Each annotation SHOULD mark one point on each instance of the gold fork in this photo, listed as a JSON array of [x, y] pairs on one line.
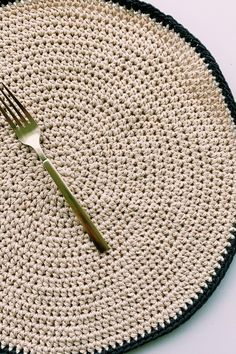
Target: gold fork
[[27, 131]]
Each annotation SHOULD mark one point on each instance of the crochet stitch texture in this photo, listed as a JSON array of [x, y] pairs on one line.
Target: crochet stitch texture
[[137, 124]]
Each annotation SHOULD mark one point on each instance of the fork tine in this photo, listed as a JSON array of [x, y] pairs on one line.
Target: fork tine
[[18, 122], [15, 108], [27, 114], [2, 110]]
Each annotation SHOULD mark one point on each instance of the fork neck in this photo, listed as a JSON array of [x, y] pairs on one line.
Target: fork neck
[[40, 153]]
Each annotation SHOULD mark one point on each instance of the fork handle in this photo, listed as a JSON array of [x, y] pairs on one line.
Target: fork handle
[[79, 211]]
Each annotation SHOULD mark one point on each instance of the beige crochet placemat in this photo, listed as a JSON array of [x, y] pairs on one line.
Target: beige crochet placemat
[[139, 120]]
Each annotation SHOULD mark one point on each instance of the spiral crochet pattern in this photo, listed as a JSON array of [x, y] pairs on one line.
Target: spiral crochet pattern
[[142, 128]]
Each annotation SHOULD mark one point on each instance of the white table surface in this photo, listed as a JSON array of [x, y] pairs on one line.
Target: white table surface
[[211, 330]]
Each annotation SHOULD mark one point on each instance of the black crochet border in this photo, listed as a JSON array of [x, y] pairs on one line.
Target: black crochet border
[[168, 21]]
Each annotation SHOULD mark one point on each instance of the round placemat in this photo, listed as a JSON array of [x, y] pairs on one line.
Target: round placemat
[[139, 120]]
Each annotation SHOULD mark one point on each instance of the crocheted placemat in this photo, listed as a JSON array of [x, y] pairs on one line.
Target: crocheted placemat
[[139, 120]]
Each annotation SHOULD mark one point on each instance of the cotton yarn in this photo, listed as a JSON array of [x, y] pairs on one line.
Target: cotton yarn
[[136, 123]]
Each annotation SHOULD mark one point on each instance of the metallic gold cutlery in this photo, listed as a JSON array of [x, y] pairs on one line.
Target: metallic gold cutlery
[[27, 131]]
